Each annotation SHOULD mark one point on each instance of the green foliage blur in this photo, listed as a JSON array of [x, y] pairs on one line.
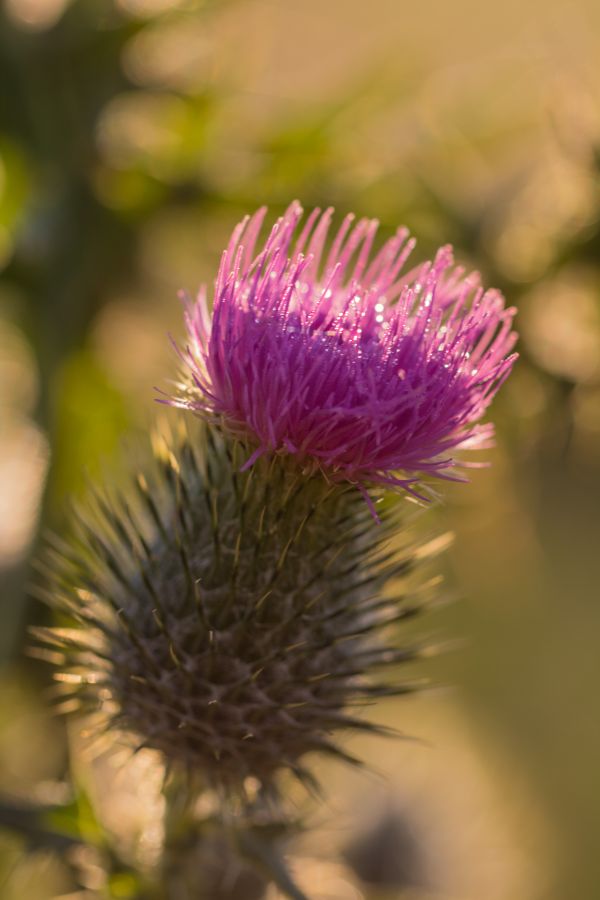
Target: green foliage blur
[[133, 135]]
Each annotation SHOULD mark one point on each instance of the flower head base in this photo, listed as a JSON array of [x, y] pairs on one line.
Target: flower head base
[[374, 376], [231, 621]]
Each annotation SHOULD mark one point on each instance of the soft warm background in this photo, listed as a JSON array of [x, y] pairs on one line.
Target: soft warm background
[[133, 135]]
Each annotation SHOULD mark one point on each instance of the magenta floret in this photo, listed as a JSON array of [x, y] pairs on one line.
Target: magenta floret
[[375, 376]]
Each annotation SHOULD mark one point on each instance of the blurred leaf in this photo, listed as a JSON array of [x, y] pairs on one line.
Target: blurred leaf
[[92, 416], [123, 885], [40, 826], [78, 818], [14, 182]]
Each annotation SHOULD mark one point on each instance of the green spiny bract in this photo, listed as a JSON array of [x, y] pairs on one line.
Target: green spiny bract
[[230, 620]]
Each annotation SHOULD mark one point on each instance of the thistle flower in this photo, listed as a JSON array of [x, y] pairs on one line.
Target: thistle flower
[[235, 605], [230, 620], [348, 365]]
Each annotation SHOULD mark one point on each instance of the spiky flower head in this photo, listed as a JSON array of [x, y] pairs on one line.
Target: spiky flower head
[[230, 620], [347, 364]]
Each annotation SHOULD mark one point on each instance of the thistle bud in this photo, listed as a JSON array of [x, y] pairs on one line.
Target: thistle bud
[[231, 620]]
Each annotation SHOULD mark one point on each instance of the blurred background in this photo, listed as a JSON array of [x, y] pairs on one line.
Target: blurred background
[[133, 135]]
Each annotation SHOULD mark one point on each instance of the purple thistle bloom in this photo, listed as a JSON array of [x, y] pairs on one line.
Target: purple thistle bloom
[[374, 376]]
